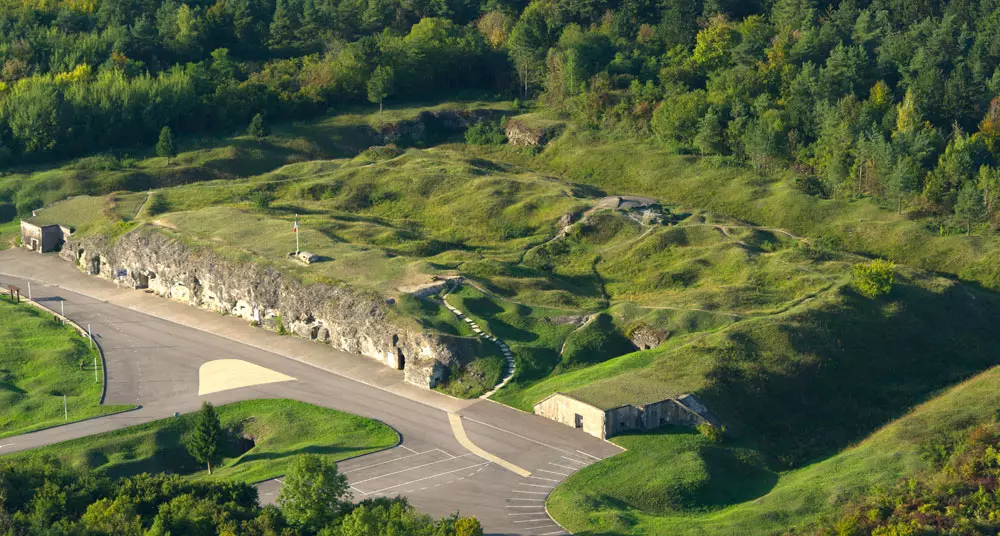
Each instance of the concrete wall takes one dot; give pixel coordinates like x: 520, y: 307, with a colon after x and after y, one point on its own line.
x: 564, y: 409
x: 48, y: 238
x: 615, y: 421
x: 623, y: 419
x: 668, y: 412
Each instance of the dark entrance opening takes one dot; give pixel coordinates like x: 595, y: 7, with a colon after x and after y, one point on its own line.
x: 401, y: 361
x: 578, y: 421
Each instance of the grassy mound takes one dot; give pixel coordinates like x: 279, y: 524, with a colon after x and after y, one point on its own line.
x: 674, y: 482
x: 39, y: 363
x: 263, y: 437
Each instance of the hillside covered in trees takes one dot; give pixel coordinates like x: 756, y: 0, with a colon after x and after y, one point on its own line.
x: 889, y: 99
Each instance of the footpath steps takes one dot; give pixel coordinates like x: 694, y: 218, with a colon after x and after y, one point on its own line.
x: 507, y: 354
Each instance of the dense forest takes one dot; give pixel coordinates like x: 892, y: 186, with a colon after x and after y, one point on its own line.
x: 890, y: 99
x: 41, y: 496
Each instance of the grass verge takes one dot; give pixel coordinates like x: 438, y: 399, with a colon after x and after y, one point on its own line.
x: 39, y: 363
x: 263, y: 436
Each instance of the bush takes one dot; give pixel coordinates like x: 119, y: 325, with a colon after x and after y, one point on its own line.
x: 714, y: 434
x: 486, y: 133
x: 260, y: 199
x: 874, y: 278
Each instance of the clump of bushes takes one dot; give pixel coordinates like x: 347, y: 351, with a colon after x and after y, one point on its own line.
x: 486, y: 133
x: 714, y: 434
x: 874, y: 278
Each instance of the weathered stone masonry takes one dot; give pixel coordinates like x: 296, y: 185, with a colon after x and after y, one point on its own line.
x: 347, y: 319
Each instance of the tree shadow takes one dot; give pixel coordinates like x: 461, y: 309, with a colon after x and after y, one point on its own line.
x: 822, y: 379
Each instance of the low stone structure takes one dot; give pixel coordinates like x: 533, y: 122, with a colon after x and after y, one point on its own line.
x: 603, y: 423
x: 43, y: 238
x: 348, y: 319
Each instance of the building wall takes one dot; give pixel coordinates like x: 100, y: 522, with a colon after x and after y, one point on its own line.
x: 49, y: 237
x: 668, y: 412
x: 623, y: 419
x: 564, y: 409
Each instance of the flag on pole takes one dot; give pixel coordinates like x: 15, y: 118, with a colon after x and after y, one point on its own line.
x: 295, y: 226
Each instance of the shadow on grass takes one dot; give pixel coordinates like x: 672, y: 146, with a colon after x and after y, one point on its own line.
x: 822, y: 379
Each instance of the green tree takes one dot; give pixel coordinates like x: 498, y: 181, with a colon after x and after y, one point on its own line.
x: 203, y: 442
x: 969, y: 206
x: 710, y: 138
x: 165, y: 145
x: 259, y: 128
x: 468, y: 526
x: 528, y: 44
x: 874, y: 278
x: 380, y: 85
x: 313, y: 493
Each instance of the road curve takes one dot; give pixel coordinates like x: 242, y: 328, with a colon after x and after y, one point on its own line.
x: 154, y: 349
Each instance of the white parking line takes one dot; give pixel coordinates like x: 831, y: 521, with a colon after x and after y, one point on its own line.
x: 412, y: 468
x: 556, y: 532
x: 535, y: 485
x: 553, y: 472
x: 574, y: 460
x: 525, y: 500
x: 564, y: 466
x: 533, y: 520
x: 588, y: 455
x: 509, y: 506
x: 7, y: 445
x: 425, y: 478
x: 530, y: 492
x: 409, y: 449
x: 385, y: 462
x: 547, y: 525
x: 528, y: 438
x: 524, y: 514
x: 540, y: 478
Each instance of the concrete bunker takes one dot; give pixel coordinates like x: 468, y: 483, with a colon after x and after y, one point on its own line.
x: 43, y: 238
x: 608, y: 421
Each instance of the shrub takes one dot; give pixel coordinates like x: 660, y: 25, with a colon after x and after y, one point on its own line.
x: 260, y: 199
x: 486, y: 133
x: 714, y: 434
x: 874, y: 278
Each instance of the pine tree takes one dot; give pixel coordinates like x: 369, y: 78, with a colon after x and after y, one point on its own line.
x: 709, y: 139
x: 165, y: 145
x: 259, y: 128
x: 970, y: 207
x: 203, y: 443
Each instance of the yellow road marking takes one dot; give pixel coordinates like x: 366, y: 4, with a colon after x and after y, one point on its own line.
x: 459, y: 431
x: 226, y: 374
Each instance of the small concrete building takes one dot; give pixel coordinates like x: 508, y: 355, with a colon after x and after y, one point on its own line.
x: 605, y: 422
x: 43, y: 238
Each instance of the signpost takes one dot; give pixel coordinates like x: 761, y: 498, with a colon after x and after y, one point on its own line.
x: 15, y: 293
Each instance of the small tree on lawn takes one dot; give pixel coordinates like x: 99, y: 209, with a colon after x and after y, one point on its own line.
x: 259, y: 128
x: 468, y: 526
x: 165, y: 145
x: 203, y: 443
x: 313, y: 493
x: 873, y: 278
x: 380, y: 85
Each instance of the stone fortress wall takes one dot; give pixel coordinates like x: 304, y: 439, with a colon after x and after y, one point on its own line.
x: 348, y: 319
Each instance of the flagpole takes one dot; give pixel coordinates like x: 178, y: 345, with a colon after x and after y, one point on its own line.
x: 296, y: 234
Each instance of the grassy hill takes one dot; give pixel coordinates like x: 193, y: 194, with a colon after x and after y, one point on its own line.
x: 676, y: 482
x: 761, y: 323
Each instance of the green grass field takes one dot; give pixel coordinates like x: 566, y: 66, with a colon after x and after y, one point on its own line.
x: 279, y: 430
x: 39, y: 363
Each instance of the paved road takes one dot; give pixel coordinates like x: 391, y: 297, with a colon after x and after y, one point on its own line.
x: 154, y: 348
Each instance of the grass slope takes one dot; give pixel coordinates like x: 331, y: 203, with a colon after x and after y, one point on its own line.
x: 39, y: 363
x: 280, y: 429
x: 674, y: 482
